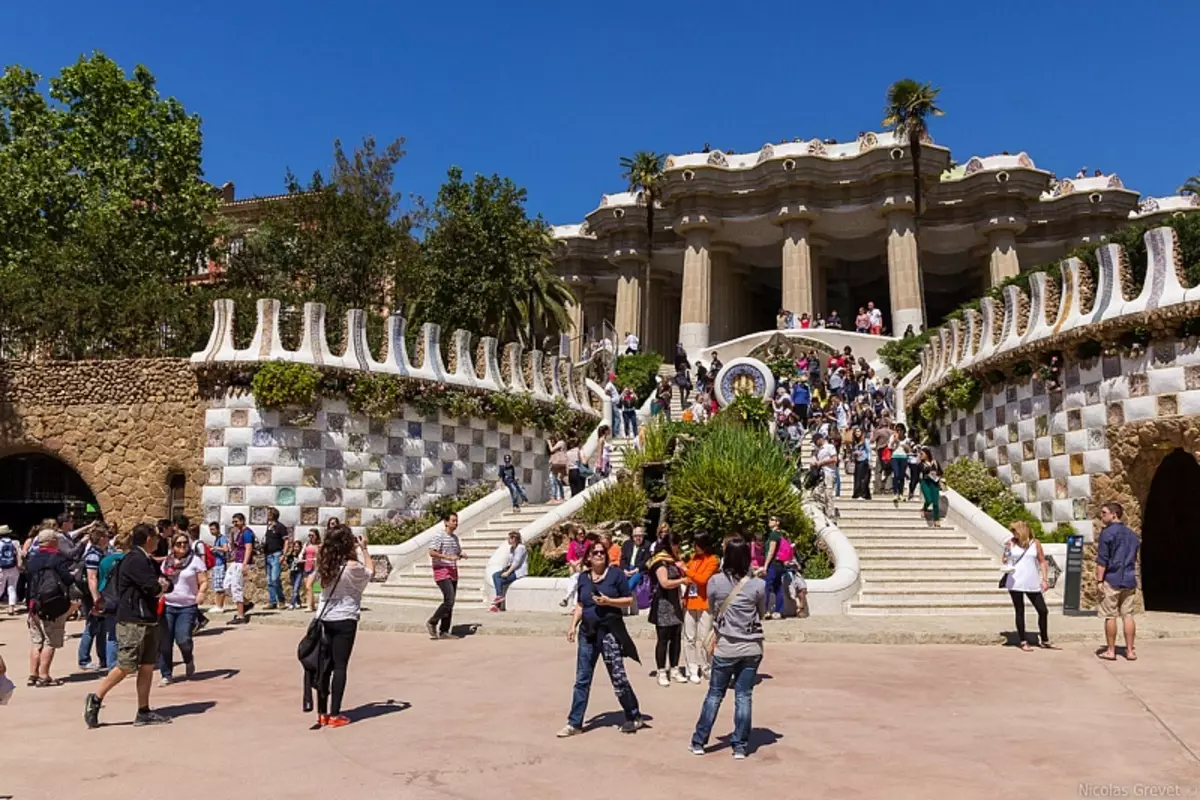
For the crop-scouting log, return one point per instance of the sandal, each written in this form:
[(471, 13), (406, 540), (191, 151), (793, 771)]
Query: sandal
[(44, 682), (1105, 657), (1025, 648), (33, 679)]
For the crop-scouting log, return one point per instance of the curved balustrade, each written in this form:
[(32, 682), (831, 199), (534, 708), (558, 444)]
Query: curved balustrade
[(1057, 306), (478, 369)]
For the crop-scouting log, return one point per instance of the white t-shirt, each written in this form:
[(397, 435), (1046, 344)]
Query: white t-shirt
[(876, 316), (345, 599), (187, 583), (631, 341), (826, 452)]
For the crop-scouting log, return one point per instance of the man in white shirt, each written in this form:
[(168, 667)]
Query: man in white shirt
[(826, 458), (876, 318), (517, 567), (631, 343)]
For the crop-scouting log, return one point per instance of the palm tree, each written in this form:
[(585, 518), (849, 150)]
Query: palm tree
[(909, 107), (1191, 186), (643, 171), (542, 306)]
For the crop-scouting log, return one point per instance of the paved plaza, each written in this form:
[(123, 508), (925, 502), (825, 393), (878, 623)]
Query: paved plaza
[(476, 717)]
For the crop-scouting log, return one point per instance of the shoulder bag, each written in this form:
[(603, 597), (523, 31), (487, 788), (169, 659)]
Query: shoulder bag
[(1009, 569), (306, 651), (710, 642)]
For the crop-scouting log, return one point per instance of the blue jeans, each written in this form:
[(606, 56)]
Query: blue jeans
[(837, 478), (558, 489), (775, 572), (93, 631), (741, 672), (631, 422), (634, 580), (110, 644), (616, 420), (605, 647), (500, 582), (274, 578), (177, 624), (899, 468), (515, 491), (297, 583)]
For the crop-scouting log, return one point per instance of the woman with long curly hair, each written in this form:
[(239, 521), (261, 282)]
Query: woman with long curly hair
[(345, 569)]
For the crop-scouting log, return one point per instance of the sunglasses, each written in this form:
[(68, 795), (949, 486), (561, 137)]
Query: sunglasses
[(597, 552)]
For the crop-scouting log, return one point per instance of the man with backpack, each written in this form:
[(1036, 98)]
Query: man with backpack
[(50, 604), (139, 585), (93, 604), (10, 567), (242, 546)]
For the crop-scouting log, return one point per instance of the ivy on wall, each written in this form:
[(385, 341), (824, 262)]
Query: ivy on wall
[(280, 384)]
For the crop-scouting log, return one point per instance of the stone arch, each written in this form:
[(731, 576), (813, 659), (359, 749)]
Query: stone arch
[(1137, 450), (35, 485), (1170, 543)]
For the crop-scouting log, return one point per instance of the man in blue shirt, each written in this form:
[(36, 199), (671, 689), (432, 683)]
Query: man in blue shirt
[(801, 396), (1116, 576)]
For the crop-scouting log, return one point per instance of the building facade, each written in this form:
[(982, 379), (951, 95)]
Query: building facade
[(813, 226)]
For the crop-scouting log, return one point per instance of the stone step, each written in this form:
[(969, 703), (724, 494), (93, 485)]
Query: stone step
[(979, 570), (424, 569), (933, 583), (885, 513), (916, 524), (415, 595), (869, 539), (918, 553), (884, 609), (865, 545), (991, 596), (902, 564)]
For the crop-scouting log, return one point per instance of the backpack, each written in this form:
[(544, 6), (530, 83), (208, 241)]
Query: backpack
[(8, 553), (47, 594), (210, 558), (108, 587), (785, 551)]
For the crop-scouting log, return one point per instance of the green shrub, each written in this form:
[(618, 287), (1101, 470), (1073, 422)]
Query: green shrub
[(971, 479), (782, 366), (931, 407), (639, 371), (542, 567), (902, 355), (816, 564), (1059, 535), (280, 384), (732, 480), (624, 500), (400, 531), (962, 391), (750, 411)]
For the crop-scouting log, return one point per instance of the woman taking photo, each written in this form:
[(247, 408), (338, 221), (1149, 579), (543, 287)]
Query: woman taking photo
[(1026, 565), (345, 569), (931, 492), (181, 605), (898, 444), (598, 625), (737, 602), (666, 609)]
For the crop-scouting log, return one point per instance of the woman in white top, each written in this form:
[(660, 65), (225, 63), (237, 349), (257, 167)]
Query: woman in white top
[(345, 569), (1025, 564), (180, 606)]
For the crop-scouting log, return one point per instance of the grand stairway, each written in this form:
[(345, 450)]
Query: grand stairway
[(414, 585), (909, 567)]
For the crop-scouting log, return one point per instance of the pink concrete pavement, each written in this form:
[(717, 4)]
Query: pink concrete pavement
[(475, 718)]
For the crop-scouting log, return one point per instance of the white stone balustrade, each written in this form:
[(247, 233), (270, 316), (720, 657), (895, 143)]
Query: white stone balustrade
[(266, 345), (1029, 318)]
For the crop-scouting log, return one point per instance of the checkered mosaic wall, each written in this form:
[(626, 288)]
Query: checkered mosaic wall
[(1047, 445), (338, 464)]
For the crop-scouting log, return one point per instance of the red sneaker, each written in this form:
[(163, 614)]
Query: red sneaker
[(322, 720), (340, 721)]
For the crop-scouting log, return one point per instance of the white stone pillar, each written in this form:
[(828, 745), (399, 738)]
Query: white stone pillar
[(904, 272), (629, 298), (796, 274), (695, 312), (1003, 261), (575, 311)]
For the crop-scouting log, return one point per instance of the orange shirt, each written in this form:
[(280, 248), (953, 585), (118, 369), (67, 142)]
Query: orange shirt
[(700, 569), (614, 555)]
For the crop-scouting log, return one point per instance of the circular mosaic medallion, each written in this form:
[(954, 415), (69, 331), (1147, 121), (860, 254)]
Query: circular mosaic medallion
[(744, 376)]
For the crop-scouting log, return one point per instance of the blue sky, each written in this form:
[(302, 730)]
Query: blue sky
[(551, 94)]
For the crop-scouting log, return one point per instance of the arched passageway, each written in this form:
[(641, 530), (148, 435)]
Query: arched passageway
[(34, 486), (1171, 536)]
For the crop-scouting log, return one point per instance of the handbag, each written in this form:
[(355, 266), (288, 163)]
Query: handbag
[(308, 651), (885, 455), (710, 641), (644, 593), (1009, 569)]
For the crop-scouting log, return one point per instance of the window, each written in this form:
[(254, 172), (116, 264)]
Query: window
[(176, 483)]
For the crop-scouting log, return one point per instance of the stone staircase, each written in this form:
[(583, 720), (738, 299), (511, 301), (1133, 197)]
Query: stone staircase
[(414, 585), (909, 567), (668, 371)]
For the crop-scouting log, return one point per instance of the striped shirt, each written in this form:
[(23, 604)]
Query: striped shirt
[(447, 544)]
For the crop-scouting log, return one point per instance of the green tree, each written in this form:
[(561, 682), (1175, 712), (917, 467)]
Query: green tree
[(643, 171), (487, 266), (1191, 185), (345, 240), (103, 214)]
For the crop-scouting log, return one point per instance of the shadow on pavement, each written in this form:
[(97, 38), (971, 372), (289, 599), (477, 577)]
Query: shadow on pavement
[(174, 712), (372, 710), (210, 674), (759, 737), (611, 719), (462, 631)]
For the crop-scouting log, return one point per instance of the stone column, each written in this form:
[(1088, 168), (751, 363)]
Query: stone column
[(796, 275), (904, 273), (575, 311), (695, 312), (819, 296), (740, 300), (629, 297), (1003, 261)]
